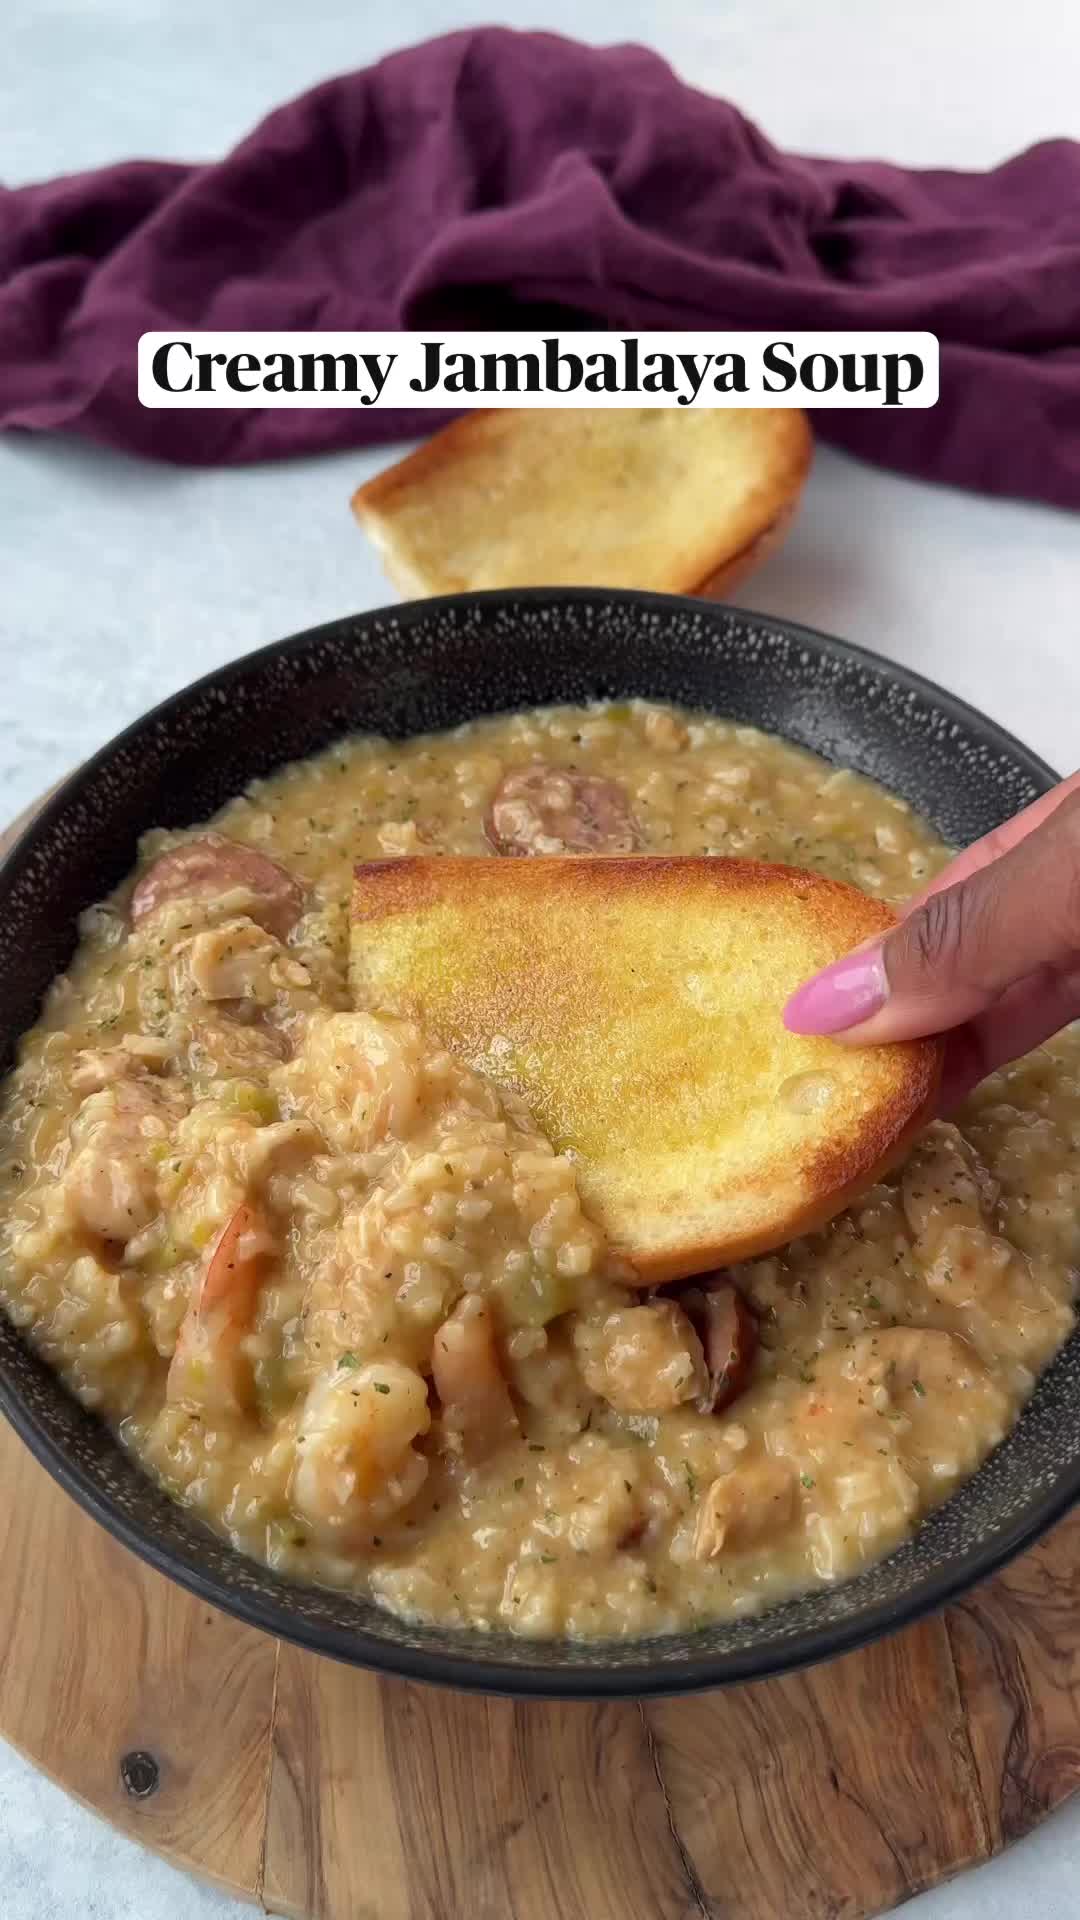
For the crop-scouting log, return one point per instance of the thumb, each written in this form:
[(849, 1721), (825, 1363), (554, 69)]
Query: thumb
[(959, 950)]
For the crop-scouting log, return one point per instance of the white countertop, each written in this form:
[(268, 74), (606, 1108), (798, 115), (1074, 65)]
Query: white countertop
[(121, 581)]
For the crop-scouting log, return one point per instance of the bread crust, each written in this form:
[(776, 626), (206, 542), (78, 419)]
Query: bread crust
[(678, 1118), (512, 497)]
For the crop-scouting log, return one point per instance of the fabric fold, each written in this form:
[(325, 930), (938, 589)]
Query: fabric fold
[(510, 180)]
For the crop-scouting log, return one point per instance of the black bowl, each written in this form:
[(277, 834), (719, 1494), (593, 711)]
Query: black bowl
[(434, 664)]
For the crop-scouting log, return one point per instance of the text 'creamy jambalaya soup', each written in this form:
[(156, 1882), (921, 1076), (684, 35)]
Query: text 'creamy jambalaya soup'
[(336, 1293)]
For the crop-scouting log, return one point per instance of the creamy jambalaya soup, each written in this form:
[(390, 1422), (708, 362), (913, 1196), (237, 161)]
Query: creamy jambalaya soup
[(338, 1295)]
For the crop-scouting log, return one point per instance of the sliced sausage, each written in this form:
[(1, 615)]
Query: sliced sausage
[(728, 1332), (199, 869), (546, 809)]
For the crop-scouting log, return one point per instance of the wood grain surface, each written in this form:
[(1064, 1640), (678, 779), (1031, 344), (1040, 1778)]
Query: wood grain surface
[(330, 1794)]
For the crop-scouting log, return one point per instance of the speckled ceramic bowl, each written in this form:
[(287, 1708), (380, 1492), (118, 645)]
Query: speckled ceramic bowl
[(435, 664)]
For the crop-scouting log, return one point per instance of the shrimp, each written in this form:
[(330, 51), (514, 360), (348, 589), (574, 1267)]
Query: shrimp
[(209, 1370), (469, 1379), (644, 1359), (357, 1077), (356, 1465)]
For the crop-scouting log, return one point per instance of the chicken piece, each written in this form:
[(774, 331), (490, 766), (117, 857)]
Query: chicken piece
[(940, 1407), (279, 1147), (542, 1368), (594, 1499), (905, 1360), (137, 1055), (148, 1050), (746, 1507), (239, 961), (110, 1185), (220, 1048), (98, 1067), (945, 1185)]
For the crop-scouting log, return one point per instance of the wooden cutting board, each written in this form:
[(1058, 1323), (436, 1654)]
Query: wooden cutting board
[(331, 1794)]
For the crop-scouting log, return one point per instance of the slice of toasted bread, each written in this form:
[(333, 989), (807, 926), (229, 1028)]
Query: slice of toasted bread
[(636, 1004), (669, 498)]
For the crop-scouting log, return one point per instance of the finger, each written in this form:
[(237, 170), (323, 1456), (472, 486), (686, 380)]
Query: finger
[(1027, 1015), (999, 841), (955, 955)]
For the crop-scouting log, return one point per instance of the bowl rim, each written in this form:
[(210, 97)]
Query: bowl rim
[(355, 1645)]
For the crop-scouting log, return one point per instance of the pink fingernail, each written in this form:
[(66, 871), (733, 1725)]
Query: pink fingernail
[(847, 992)]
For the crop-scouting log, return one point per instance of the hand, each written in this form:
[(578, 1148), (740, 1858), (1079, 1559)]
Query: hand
[(988, 955)]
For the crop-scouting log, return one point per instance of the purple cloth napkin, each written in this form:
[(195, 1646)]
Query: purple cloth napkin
[(497, 179)]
